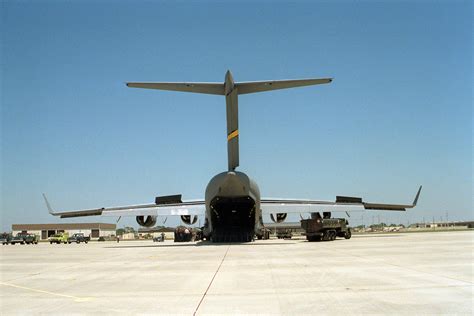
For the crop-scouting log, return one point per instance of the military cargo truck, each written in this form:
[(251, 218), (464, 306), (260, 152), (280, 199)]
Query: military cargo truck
[(325, 229), (183, 234)]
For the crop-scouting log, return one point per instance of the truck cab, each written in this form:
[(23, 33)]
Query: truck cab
[(78, 238)]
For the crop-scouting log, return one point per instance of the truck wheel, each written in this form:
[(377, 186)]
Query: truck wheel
[(326, 236), (85, 241), (50, 242), (78, 242), (348, 234)]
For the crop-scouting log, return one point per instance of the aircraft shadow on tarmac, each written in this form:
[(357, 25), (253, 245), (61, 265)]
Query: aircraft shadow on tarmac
[(201, 244)]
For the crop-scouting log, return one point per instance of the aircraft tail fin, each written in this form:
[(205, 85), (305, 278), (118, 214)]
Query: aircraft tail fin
[(230, 90)]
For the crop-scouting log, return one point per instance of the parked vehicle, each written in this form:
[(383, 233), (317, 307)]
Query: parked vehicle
[(31, 239), (5, 238), (59, 238), (282, 233), (24, 238), (78, 238), (326, 229), (183, 234)]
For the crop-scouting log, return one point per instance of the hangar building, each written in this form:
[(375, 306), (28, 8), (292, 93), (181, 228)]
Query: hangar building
[(94, 230)]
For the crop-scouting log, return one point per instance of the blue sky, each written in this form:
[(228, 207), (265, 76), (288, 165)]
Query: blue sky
[(398, 114)]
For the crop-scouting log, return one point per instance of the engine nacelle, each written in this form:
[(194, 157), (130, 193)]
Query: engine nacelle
[(146, 221), (280, 217), (188, 220)]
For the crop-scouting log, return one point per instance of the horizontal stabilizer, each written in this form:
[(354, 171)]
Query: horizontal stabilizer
[(201, 87), (261, 86)]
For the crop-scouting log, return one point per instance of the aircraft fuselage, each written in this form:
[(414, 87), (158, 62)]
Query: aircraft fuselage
[(233, 210)]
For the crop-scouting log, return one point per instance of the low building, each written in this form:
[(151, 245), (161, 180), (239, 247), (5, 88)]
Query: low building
[(94, 230), (155, 232)]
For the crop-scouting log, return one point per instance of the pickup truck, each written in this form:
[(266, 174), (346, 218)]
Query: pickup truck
[(59, 238), (22, 238), (78, 238)]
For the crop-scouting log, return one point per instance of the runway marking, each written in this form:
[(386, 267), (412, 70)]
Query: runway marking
[(75, 298), (212, 280)]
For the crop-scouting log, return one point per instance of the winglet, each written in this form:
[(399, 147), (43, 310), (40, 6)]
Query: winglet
[(417, 196), (50, 209)]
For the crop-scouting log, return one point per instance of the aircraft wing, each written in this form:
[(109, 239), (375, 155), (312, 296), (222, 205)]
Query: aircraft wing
[(163, 206), (342, 204)]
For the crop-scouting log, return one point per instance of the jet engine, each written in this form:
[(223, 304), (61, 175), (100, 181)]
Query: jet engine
[(188, 220), (146, 221), (280, 217)]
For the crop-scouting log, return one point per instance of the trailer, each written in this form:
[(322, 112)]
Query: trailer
[(325, 229)]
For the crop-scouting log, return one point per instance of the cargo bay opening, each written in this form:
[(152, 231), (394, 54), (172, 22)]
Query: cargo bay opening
[(233, 219)]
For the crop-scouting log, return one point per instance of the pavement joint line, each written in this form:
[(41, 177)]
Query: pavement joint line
[(24, 277), (212, 280), (75, 298)]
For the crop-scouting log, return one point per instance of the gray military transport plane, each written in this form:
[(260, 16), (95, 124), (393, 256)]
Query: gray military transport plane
[(232, 206)]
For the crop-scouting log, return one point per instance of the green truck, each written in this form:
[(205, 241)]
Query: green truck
[(326, 229), (59, 238), (24, 238)]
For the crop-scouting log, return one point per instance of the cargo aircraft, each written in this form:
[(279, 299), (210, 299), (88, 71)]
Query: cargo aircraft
[(232, 207)]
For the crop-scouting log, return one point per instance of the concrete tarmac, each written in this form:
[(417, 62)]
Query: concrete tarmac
[(418, 273)]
